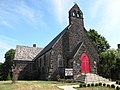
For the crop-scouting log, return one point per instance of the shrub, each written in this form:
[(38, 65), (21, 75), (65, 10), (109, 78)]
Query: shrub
[(92, 84), (112, 86), (100, 84), (80, 85), (58, 77), (108, 85), (96, 84), (104, 84), (69, 80), (62, 80), (88, 85), (117, 88), (117, 82), (84, 85)]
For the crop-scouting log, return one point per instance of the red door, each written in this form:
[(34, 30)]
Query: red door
[(84, 63)]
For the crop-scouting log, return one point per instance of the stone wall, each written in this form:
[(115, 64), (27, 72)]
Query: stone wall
[(24, 68)]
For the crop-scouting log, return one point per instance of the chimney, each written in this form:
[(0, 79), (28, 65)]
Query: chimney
[(34, 45), (118, 46)]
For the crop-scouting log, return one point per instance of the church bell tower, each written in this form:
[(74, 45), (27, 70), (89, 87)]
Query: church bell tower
[(75, 15)]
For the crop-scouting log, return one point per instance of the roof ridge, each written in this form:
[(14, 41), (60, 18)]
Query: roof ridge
[(49, 46)]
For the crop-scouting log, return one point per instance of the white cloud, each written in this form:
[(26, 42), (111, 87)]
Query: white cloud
[(18, 12), (24, 10), (105, 14), (6, 23), (111, 17), (94, 7), (61, 8)]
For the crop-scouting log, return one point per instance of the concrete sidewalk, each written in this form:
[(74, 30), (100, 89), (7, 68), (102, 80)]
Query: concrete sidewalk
[(70, 87)]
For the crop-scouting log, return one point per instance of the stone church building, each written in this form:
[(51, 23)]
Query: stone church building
[(70, 54)]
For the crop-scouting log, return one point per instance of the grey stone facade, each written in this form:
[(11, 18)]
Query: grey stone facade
[(65, 50), (23, 59)]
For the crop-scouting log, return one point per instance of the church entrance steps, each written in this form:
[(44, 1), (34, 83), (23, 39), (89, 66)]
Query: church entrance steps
[(92, 78)]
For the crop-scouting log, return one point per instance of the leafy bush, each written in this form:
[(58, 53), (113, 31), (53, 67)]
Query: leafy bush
[(62, 80), (104, 84), (88, 85), (69, 80), (112, 86), (58, 77), (117, 82), (96, 84), (92, 84), (84, 85), (100, 84), (117, 88), (80, 85), (108, 85)]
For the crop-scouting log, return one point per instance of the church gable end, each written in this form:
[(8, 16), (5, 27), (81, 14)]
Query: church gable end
[(68, 50)]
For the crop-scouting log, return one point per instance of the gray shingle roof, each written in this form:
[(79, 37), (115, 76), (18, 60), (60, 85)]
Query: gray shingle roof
[(25, 53)]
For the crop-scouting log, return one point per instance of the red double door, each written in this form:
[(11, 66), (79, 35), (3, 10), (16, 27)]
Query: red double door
[(84, 63)]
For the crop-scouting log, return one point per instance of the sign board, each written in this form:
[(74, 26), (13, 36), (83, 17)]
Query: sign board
[(68, 72)]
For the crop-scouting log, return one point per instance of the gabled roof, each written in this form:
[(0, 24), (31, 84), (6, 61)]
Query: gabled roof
[(75, 7), (73, 53), (50, 45), (25, 53)]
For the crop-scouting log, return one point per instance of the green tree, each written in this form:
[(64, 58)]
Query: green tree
[(98, 41), (116, 69), (108, 63), (9, 56), (106, 55), (1, 71)]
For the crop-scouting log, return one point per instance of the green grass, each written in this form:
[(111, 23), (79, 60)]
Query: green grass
[(95, 88), (31, 85), (41, 85)]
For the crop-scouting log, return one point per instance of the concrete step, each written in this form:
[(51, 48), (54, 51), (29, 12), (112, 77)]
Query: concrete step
[(94, 78)]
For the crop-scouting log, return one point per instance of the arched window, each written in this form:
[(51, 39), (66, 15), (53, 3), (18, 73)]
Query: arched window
[(74, 13), (60, 61), (78, 14)]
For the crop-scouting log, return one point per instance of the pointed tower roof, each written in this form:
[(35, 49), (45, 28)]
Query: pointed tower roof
[(75, 14), (75, 7)]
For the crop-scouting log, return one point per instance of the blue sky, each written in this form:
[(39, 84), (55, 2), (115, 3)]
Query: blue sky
[(25, 22)]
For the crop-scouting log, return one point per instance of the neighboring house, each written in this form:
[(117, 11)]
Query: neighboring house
[(71, 50), (23, 59)]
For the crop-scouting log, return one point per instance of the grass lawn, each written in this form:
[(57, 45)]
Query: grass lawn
[(41, 85), (95, 88), (31, 85)]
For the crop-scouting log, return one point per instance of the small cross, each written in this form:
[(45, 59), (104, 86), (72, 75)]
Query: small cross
[(74, 2)]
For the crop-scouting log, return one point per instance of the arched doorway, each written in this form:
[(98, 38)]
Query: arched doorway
[(84, 63)]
